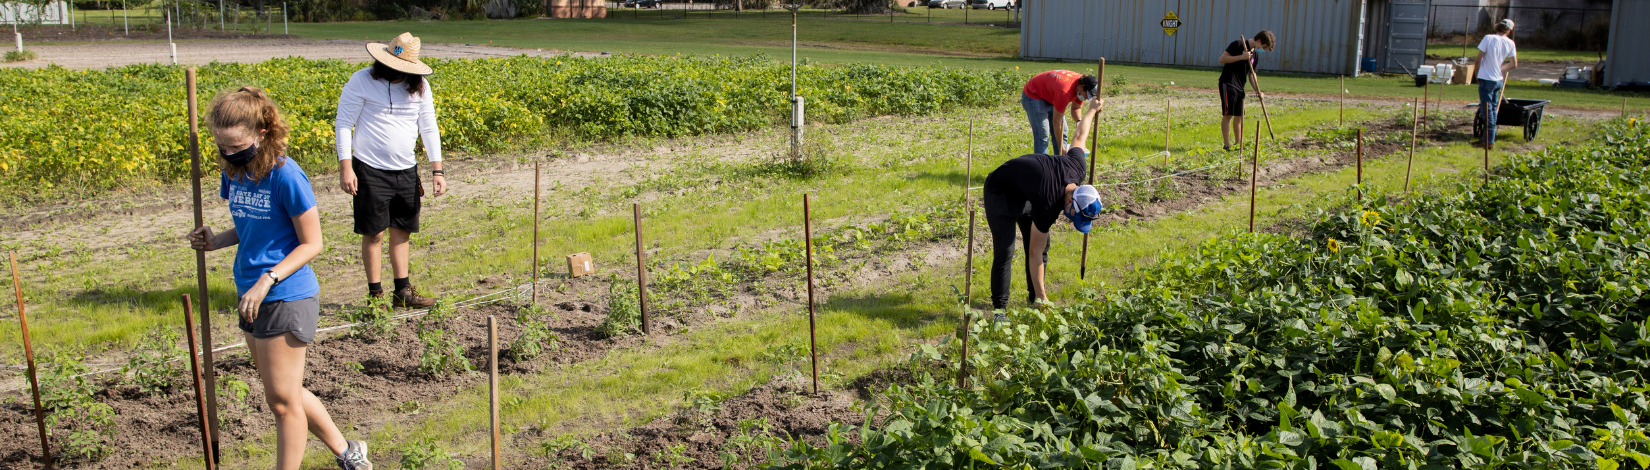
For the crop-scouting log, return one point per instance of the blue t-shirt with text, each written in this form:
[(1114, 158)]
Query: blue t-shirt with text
[(263, 213)]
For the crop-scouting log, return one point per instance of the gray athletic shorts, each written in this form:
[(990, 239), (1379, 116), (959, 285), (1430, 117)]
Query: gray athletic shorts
[(296, 316)]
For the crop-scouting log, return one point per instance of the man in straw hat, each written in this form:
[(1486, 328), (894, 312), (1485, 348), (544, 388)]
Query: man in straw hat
[(382, 112)]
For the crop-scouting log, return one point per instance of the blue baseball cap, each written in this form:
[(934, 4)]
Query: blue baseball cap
[(1086, 202)]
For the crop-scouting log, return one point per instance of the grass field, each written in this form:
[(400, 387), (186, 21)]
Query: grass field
[(925, 45), (1538, 55)]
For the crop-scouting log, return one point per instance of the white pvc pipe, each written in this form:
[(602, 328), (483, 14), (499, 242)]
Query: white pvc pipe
[(19, 42)]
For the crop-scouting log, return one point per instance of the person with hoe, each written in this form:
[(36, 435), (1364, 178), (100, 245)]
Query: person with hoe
[(277, 233), (382, 111), (1493, 53), (1028, 194), (1048, 94), (1239, 59)]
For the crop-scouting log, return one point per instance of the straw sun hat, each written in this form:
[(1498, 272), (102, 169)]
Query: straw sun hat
[(400, 54)]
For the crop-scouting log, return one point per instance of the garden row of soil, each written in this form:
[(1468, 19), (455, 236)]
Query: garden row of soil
[(363, 381)]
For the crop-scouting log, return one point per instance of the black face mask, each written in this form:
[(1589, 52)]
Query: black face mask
[(242, 157)]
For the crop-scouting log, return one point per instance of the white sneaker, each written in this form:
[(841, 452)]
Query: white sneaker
[(355, 457)]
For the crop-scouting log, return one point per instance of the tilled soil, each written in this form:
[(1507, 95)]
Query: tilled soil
[(361, 381)]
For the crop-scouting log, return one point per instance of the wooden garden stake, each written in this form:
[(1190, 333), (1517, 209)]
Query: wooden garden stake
[(535, 234), (1254, 175), (1360, 164), (808, 242), (28, 353), (492, 382), (1624, 106), (1343, 100), (1426, 98), (1094, 137), (641, 271), (1414, 128), (968, 176), (211, 375), (1168, 117), (1487, 158), (968, 301), (1254, 79), (200, 388)]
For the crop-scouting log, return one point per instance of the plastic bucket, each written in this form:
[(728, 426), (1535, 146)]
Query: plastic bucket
[(1370, 65)]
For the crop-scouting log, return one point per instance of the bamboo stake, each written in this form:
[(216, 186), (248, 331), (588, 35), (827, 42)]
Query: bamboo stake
[(1414, 128), (211, 376), (492, 383), (1254, 175), (1254, 79), (641, 271), (535, 233), (200, 389), (1094, 136), (28, 353), (1360, 164), (968, 301), (808, 242)]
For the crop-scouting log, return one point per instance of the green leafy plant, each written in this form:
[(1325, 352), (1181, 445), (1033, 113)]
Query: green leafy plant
[(67, 395), (752, 442), (443, 354), (156, 366), (374, 320), (1497, 325), (624, 314), (426, 454), (19, 56), (566, 443), (673, 456), (535, 338)]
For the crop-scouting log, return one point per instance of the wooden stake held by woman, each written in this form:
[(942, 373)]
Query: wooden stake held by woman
[(200, 388), (808, 242), (1094, 138), (28, 353), (968, 300), (211, 375)]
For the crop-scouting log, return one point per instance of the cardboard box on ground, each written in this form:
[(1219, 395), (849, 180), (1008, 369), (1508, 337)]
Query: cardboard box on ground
[(579, 264)]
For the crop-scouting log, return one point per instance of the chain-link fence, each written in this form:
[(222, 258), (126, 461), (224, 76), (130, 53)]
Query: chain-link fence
[(155, 16), (1583, 27)]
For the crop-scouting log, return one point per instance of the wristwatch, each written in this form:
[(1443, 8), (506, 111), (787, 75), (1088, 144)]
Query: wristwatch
[(438, 172), (273, 277)]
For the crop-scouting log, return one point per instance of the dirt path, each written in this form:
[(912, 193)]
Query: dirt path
[(201, 52)]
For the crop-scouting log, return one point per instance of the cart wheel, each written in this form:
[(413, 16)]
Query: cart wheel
[(1478, 124), (1532, 127)]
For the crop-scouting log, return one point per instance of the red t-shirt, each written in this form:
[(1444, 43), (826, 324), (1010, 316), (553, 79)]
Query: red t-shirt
[(1055, 86)]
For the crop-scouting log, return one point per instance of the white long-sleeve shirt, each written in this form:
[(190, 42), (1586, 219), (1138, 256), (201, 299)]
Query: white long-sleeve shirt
[(378, 122)]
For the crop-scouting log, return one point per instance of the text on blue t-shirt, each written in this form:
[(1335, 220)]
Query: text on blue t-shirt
[(263, 213)]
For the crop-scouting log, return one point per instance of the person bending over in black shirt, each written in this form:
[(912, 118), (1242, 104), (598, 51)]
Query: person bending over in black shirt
[(1239, 63), (1027, 194)]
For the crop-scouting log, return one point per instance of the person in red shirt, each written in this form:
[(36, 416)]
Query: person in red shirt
[(1052, 93)]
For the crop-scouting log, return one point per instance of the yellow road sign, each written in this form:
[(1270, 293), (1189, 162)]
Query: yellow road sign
[(1170, 23)]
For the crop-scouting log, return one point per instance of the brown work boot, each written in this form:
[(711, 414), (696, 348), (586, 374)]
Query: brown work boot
[(409, 298)]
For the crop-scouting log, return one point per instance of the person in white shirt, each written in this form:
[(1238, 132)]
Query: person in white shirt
[(1493, 65), (382, 112)]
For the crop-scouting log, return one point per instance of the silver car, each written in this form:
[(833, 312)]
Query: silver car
[(947, 4)]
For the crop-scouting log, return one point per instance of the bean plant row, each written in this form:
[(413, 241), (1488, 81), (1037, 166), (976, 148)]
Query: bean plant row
[(98, 129), (1498, 325)]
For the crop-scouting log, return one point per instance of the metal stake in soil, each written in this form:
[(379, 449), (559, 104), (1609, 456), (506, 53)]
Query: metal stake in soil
[(492, 383), (1414, 128), (200, 265), (968, 301), (641, 271), (535, 233), (1094, 137), (1360, 164), (200, 389), (28, 353), (808, 242), (1254, 175), (1254, 80)]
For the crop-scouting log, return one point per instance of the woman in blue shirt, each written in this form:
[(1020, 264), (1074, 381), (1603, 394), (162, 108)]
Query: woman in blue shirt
[(277, 232)]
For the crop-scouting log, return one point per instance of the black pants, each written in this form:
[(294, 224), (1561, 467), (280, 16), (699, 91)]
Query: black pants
[(1006, 216)]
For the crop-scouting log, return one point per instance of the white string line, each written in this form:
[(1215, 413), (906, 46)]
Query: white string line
[(473, 301), (1148, 180)]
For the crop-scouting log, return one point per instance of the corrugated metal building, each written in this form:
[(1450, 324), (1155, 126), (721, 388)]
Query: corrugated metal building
[(1629, 55), (1314, 36)]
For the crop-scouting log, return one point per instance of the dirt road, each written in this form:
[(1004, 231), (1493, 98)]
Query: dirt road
[(115, 54)]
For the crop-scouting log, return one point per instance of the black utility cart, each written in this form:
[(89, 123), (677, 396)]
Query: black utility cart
[(1514, 112)]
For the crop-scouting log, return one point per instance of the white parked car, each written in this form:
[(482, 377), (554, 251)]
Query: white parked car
[(991, 4)]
